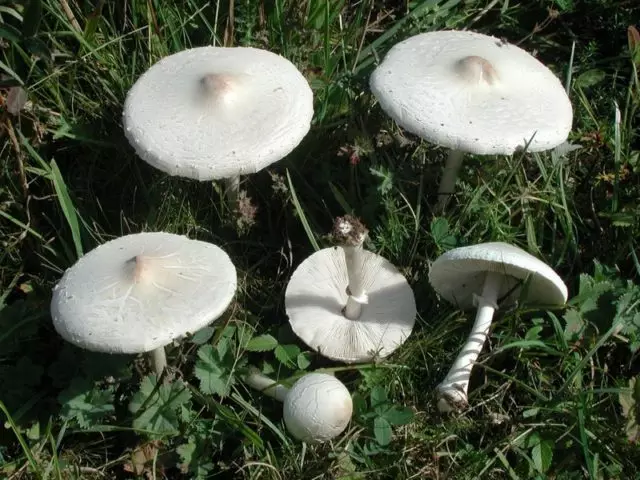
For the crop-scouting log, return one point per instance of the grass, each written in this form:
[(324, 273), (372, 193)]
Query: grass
[(553, 394)]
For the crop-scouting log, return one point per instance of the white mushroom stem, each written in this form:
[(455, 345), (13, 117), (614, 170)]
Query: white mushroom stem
[(232, 189), (266, 385), (449, 177), (158, 360), (452, 392), (354, 258)]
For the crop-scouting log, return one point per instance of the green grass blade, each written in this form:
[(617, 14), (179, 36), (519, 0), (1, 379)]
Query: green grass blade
[(67, 207), (303, 217), (25, 448)]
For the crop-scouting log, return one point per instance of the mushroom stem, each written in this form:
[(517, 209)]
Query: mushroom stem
[(449, 177), (354, 258), (266, 385), (158, 360), (452, 392), (232, 189)]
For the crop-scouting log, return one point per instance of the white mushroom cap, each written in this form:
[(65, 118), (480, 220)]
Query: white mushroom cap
[(459, 274), (472, 92), (316, 295), (317, 408), (140, 292), (216, 112)]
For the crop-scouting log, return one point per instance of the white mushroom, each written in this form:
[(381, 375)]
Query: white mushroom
[(140, 292), (317, 408), (471, 93), (217, 112), (484, 276), (347, 303)]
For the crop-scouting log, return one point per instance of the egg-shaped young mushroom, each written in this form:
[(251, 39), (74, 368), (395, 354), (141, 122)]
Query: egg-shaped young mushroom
[(317, 407), (471, 93), (347, 303), (484, 276), (139, 292), (218, 113)]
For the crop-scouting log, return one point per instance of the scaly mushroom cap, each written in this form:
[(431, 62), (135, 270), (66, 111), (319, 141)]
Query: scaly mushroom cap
[(459, 274), (140, 292), (316, 295), (217, 112), (317, 408), (472, 92)]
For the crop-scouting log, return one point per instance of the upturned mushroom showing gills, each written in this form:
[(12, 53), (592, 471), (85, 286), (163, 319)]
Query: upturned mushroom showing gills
[(217, 113), (485, 276), (471, 93), (139, 292), (347, 303), (317, 408)]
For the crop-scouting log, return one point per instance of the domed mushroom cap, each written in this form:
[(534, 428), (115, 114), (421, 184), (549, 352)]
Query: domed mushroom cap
[(317, 408), (472, 92), (459, 274), (140, 292), (218, 112), (316, 295)]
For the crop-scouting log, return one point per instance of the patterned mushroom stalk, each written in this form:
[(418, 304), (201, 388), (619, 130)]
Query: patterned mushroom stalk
[(483, 276), (218, 113), (348, 303), (317, 407), (140, 292), (471, 93)]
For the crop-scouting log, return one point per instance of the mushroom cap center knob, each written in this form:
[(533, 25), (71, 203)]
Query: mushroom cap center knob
[(219, 87), (477, 70)]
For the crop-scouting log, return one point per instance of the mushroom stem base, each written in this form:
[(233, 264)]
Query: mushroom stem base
[(354, 258), (232, 189), (452, 392), (158, 360), (266, 385), (449, 177), (353, 308)]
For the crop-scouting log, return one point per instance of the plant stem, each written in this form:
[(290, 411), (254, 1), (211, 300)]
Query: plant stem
[(266, 385), (449, 176), (232, 189), (158, 360), (452, 392)]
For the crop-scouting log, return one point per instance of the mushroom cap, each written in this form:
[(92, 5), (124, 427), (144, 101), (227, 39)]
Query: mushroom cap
[(316, 295), (472, 92), (317, 408), (258, 109), (139, 292), (459, 274)]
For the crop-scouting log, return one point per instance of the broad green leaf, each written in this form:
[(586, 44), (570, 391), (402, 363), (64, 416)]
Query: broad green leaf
[(398, 415), (202, 336), (262, 343), (304, 360), (161, 405), (590, 78), (574, 324), (287, 354), (195, 460), (441, 234), (212, 371), (542, 455), (378, 396), (359, 404), (382, 431), (86, 403)]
